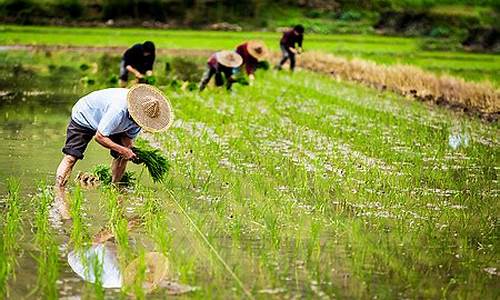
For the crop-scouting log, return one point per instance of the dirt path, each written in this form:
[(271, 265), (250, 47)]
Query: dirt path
[(108, 49)]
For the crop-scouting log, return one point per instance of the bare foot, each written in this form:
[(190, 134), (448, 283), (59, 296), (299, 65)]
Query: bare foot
[(63, 208)]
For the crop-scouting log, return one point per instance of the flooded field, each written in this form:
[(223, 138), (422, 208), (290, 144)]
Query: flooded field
[(296, 187)]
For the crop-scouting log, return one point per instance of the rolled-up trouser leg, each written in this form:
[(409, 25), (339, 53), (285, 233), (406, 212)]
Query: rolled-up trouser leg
[(284, 54), (292, 60)]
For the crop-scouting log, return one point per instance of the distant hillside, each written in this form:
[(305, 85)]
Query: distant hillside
[(447, 23)]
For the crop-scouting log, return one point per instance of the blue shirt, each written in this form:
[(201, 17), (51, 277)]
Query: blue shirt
[(106, 111)]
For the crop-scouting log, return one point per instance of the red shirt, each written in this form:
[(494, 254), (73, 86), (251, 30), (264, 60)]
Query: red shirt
[(249, 61), (212, 61)]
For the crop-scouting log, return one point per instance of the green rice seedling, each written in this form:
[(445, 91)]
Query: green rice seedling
[(48, 258), (148, 80), (140, 277), (10, 234), (264, 65), (97, 267), (80, 236), (152, 158), (103, 172)]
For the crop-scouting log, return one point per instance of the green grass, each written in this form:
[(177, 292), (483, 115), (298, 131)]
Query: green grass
[(382, 49)]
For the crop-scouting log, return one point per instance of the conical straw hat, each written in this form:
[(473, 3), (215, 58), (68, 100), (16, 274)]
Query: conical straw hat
[(229, 59), (157, 267), (149, 108), (257, 49)]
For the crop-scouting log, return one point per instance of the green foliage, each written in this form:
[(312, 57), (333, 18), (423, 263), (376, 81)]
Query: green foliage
[(148, 80), (264, 65), (185, 69), (440, 31), (152, 158), (86, 80), (84, 67), (113, 79), (350, 15)]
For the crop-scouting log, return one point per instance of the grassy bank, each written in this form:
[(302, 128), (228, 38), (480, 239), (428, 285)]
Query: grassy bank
[(387, 50)]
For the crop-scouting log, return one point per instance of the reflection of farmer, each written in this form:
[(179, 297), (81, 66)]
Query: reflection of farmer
[(252, 52), (287, 45), (114, 117), (139, 60), (222, 62), (100, 262)]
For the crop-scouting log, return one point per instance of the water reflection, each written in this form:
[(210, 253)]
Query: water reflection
[(103, 256)]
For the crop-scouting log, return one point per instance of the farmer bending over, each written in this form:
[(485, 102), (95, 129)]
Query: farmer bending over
[(287, 45), (113, 117), (222, 62), (252, 52), (139, 60)]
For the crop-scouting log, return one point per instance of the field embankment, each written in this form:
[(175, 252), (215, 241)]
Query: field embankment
[(480, 98)]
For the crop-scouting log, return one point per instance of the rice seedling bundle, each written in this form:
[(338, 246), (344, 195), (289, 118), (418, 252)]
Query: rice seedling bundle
[(103, 173), (152, 158)]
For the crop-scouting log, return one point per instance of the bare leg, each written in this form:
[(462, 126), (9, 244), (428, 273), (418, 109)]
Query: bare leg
[(62, 176), (118, 169)]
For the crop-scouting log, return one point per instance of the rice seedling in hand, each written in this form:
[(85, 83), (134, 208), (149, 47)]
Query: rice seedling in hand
[(152, 158)]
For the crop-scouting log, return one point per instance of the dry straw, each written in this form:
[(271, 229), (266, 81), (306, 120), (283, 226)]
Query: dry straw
[(476, 97)]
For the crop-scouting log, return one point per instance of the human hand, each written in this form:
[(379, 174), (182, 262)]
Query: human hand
[(128, 154), (149, 73), (293, 50), (139, 75)]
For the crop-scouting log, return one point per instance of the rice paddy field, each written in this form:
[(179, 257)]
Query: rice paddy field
[(381, 49), (298, 186)]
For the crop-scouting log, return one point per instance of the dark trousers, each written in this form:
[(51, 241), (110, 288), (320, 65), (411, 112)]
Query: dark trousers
[(287, 54), (219, 80)]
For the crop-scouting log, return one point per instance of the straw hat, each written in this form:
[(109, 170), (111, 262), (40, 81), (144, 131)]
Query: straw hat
[(229, 59), (149, 108), (257, 49), (156, 270)]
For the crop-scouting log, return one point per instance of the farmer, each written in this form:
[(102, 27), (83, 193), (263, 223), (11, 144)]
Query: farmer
[(113, 117), (139, 60), (222, 62), (252, 53), (287, 45)]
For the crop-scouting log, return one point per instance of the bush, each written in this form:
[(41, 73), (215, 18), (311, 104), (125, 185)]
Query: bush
[(22, 10), (69, 8), (440, 31), (350, 15)]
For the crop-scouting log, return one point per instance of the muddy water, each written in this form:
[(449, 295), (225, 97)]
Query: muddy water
[(32, 133)]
